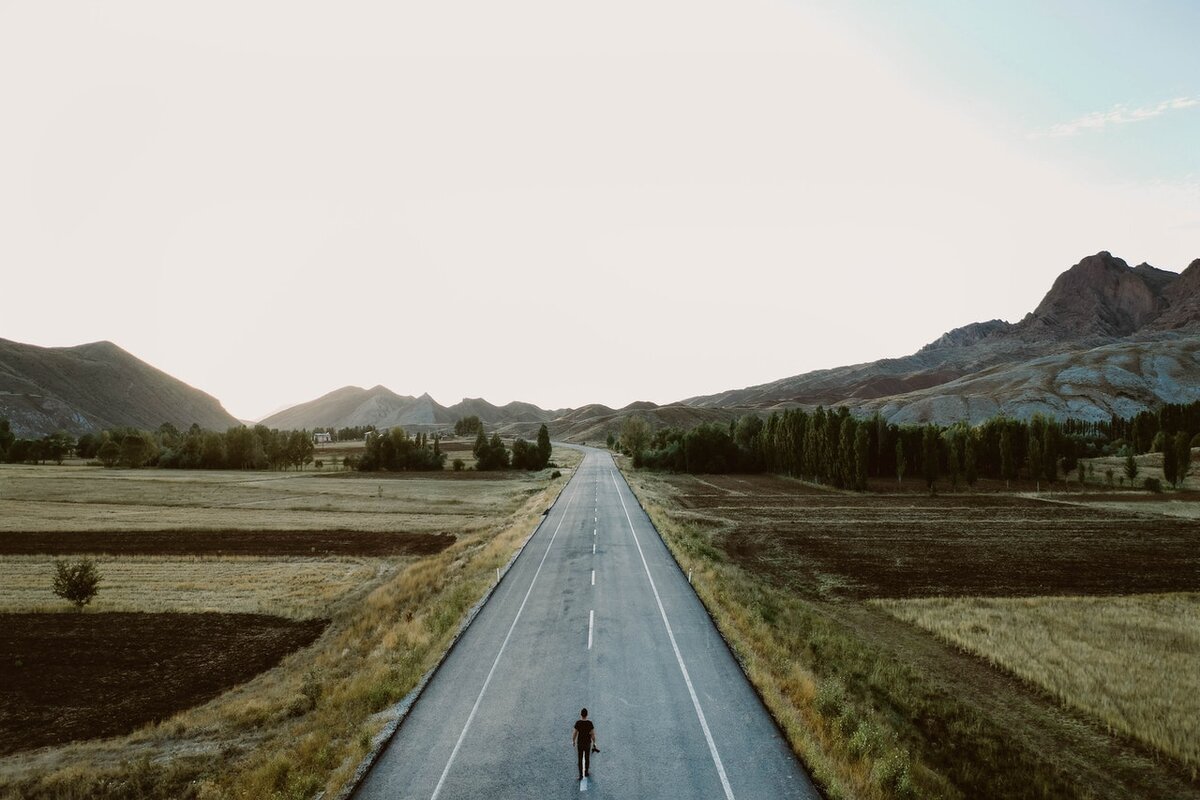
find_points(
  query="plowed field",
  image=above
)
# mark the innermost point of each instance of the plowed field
(862, 545)
(126, 670)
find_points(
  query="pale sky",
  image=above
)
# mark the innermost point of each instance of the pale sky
(564, 202)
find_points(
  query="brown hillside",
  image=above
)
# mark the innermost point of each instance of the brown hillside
(95, 386)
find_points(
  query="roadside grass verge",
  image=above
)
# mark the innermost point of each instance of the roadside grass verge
(1132, 662)
(877, 708)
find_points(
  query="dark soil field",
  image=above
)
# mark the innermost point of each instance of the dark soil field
(833, 544)
(226, 543)
(789, 571)
(71, 676)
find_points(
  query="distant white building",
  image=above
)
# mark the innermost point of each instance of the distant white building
(322, 437)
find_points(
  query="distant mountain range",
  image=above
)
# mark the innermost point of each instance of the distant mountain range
(95, 386)
(352, 406)
(1106, 339)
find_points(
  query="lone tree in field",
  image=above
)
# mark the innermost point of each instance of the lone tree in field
(543, 444)
(1131, 467)
(1170, 461)
(635, 434)
(76, 583)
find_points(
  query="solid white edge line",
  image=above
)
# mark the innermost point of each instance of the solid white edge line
(591, 621)
(475, 708)
(712, 745)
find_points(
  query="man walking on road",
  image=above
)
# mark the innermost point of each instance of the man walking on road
(584, 739)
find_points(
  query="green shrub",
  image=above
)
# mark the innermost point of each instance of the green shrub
(76, 583)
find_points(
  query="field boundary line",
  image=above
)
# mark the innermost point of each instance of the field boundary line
(400, 711)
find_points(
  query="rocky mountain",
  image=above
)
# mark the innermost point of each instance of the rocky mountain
(1100, 301)
(352, 406)
(95, 386)
(1101, 297)
(1183, 302)
(1121, 378)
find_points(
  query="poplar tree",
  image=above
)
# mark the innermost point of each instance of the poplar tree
(970, 458)
(1183, 455)
(1169, 460)
(929, 461)
(955, 459)
(900, 463)
(543, 444)
(1131, 467)
(862, 447)
(1008, 466)
(1034, 457)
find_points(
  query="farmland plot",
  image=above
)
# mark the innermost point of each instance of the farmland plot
(878, 708)
(277, 614)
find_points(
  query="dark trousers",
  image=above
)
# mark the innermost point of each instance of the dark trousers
(585, 757)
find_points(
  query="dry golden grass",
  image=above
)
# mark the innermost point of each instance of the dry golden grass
(293, 587)
(1149, 466)
(1132, 662)
(36, 498)
(269, 737)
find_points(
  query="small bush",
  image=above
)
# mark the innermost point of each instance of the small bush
(76, 583)
(867, 739)
(1152, 485)
(458, 464)
(555, 474)
(831, 698)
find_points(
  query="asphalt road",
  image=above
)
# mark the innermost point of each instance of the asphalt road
(594, 613)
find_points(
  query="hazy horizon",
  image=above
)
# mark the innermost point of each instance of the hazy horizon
(564, 205)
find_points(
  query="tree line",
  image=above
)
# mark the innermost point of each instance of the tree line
(260, 448)
(167, 447)
(490, 453)
(396, 451)
(833, 447)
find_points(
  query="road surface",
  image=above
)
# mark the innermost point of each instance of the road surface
(594, 613)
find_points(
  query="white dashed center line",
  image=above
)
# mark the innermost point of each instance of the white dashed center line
(591, 622)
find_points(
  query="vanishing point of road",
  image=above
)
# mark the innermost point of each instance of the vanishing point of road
(594, 613)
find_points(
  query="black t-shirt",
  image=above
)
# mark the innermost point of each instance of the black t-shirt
(584, 728)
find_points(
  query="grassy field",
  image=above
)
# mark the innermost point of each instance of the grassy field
(879, 708)
(297, 588)
(1132, 662)
(301, 726)
(51, 498)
